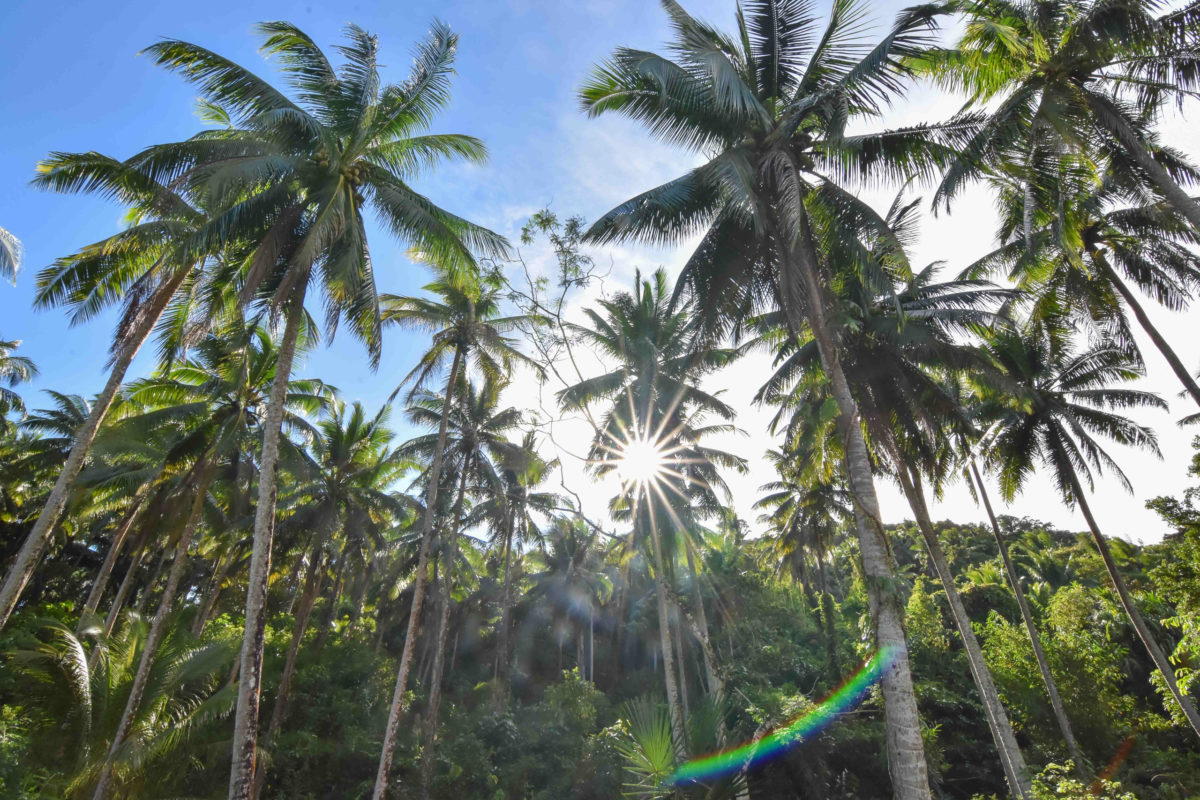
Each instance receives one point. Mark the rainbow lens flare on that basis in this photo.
(770, 745)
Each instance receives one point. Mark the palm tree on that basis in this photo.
(293, 176)
(212, 401)
(1072, 77)
(652, 429)
(145, 266)
(769, 109)
(1061, 400)
(83, 705)
(896, 351)
(14, 370)
(512, 514)
(804, 512)
(473, 436)
(571, 584)
(1090, 239)
(975, 481)
(466, 326)
(344, 491)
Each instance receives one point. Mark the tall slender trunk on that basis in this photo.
(127, 582)
(245, 726)
(429, 750)
(1015, 770)
(308, 597)
(152, 581)
(712, 678)
(906, 751)
(293, 580)
(502, 657)
(17, 577)
(681, 665)
(674, 708)
(335, 602)
(204, 613)
(414, 615)
(360, 593)
(1127, 602)
(828, 622)
(100, 583)
(157, 629)
(1172, 358)
(1039, 653)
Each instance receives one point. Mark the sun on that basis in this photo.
(641, 461)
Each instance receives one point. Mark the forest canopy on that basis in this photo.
(224, 577)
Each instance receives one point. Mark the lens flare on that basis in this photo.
(641, 461)
(770, 745)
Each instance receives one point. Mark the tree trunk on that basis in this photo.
(712, 679)
(664, 632)
(17, 577)
(429, 750)
(335, 602)
(398, 706)
(1015, 770)
(1127, 602)
(502, 656)
(245, 727)
(829, 623)
(1060, 713)
(110, 559)
(126, 586)
(157, 629)
(312, 586)
(221, 571)
(1177, 366)
(681, 664)
(906, 751)
(152, 581)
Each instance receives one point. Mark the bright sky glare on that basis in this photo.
(519, 64)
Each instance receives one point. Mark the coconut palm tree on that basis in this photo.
(975, 481)
(1056, 403)
(145, 267)
(473, 439)
(769, 110)
(83, 704)
(1072, 77)
(651, 430)
(804, 512)
(466, 327)
(214, 401)
(514, 514)
(14, 370)
(1092, 239)
(292, 176)
(342, 493)
(571, 584)
(896, 351)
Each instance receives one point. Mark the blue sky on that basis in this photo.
(72, 81)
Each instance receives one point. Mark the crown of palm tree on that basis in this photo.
(468, 314)
(292, 175)
(1069, 79)
(769, 109)
(14, 370)
(1056, 402)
